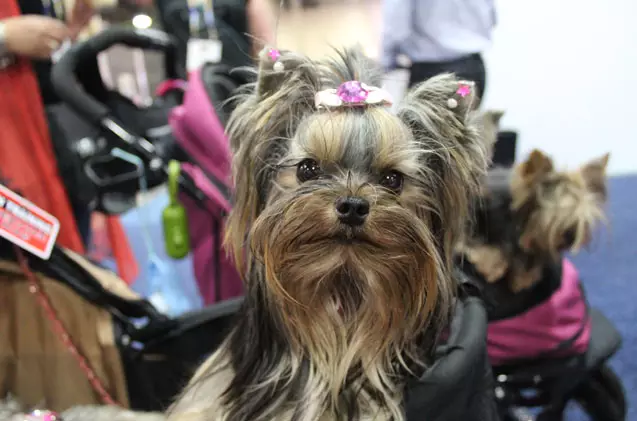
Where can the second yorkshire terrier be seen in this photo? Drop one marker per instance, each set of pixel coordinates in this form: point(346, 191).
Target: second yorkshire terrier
point(344, 222)
point(527, 219)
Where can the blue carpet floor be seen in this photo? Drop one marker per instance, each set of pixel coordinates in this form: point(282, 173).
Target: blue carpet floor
point(608, 270)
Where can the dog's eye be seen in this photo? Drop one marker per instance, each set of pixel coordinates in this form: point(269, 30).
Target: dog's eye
point(392, 180)
point(308, 169)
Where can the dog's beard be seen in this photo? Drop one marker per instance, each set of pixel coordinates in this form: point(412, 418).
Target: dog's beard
point(353, 301)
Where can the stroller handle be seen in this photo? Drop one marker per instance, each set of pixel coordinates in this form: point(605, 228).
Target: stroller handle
point(64, 75)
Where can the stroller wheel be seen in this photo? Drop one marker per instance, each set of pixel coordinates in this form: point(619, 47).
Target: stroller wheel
point(602, 396)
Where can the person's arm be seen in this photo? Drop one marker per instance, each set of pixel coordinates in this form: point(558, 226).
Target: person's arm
point(81, 15)
point(397, 23)
point(260, 23)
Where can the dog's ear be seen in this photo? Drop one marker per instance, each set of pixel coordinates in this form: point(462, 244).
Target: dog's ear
point(444, 92)
point(527, 176)
point(594, 173)
point(439, 114)
point(277, 67)
point(259, 128)
point(536, 166)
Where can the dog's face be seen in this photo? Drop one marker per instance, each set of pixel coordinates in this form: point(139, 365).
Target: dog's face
point(558, 209)
point(349, 190)
point(350, 213)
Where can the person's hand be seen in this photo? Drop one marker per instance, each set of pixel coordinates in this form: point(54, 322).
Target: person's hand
point(34, 36)
point(81, 15)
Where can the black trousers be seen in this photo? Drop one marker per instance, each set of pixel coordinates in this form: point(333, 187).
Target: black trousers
point(467, 68)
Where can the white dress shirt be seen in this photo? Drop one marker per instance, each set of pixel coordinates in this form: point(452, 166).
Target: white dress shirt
point(436, 30)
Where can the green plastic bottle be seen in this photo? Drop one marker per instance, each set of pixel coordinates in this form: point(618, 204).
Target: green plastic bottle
point(175, 220)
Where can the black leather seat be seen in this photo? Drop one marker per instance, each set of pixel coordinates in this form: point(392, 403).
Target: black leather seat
point(459, 385)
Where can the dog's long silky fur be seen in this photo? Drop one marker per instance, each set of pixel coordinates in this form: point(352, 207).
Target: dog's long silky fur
point(332, 328)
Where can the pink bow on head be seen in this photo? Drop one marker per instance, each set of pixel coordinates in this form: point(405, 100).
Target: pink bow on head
point(464, 89)
point(352, 94)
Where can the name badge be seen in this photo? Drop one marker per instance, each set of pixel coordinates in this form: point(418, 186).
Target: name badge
point(26, 225)
point(202, 51)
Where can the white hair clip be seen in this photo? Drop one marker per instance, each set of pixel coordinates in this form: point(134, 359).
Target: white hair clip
point(352, 94)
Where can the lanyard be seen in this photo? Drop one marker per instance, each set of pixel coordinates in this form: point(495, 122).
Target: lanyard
point(202, 21)
point(54, 8)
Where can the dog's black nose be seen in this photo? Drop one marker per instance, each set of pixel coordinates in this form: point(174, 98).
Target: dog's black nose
point(352, 210)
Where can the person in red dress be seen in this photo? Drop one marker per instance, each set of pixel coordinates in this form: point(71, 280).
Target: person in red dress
point(31, 163)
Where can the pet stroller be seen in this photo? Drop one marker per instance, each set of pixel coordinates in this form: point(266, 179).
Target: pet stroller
point(575, 368)
point(158, 354)
point(197, 139)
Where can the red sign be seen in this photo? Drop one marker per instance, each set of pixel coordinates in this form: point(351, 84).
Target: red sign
point(26, 225)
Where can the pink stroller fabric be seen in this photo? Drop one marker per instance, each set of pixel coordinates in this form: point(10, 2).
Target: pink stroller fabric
point(544, 327)
point(198, 130)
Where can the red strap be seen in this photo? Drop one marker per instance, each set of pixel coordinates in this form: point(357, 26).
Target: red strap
point(58, 327)
point(127, 266)
point(170, 85)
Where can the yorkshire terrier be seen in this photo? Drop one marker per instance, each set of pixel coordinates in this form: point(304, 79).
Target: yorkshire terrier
point(523, 223)
point(344, 223)
point(529, 217)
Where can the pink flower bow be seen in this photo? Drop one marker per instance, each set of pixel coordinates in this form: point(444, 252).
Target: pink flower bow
point(352, 94)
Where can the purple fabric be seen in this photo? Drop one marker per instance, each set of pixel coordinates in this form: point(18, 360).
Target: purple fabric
point(544, 327)
point(203, 135)
point(199, 132)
